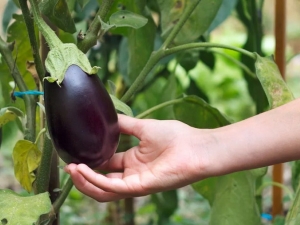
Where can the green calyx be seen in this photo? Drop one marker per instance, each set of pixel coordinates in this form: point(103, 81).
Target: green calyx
point(60, 58)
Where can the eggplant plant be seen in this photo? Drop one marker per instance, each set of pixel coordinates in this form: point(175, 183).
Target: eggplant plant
point(68, 67)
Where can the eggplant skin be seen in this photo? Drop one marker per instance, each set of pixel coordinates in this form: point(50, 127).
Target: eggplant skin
point(81, 118)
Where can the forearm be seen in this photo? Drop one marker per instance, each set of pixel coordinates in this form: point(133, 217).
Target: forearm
point(266, 139)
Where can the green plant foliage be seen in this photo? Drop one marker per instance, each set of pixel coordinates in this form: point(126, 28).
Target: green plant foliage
point(26, 157)
point(121, 106)
point(224, 11)
point(166, 203)
point(249, 14)
point(22, 52)
point(272, 82)
point(9, 10)
point(125, 18)
point(16, 209)
point(172, 10)
point(222, 190)
point(293, 216)
point(203, 116)
point(57, 11)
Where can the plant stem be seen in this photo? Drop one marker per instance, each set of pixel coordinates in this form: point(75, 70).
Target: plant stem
point(63, 195)
point(39, 135)
point(32, 38)
point(30, 101)
point(154, 58)
point(208, 45)
point(240, 64)
point(159, 106)
point(8, 58)
point(50, 36)
point(92, 34)
point(43, 175)
point(191, 5)
point(159, 54)
point(276, 184)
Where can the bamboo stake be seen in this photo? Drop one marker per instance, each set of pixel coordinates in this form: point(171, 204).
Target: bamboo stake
point(280, 38)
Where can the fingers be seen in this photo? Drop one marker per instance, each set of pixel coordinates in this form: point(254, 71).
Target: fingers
point(110, 183)
point(89, 189)
point(113, 182)
point(130, 125)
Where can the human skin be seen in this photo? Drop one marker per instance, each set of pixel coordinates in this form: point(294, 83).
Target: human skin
point(171, 154)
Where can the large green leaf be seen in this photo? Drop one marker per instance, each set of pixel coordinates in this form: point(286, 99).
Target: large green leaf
point(26, 157)
point(198, 22)
point(234, 202)
point(272, 82)
point(235, 190)
point(250, 16)
point(166, 204)
point(10, 8)
point(17, 33)
point(58, 12)
point(19, 210)
point(203, 116)
point(224, 11)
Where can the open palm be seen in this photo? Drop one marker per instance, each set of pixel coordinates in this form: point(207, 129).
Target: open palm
point(167, 157)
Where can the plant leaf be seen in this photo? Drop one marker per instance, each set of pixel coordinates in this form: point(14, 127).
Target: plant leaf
point(272, 82)
point(121, 106)
point(125, 18)
point(203, 116)
point(58, 12)
point(7, 117)
point(198, 22)
point(26, 157)
point(82, 3)
point(16, 209)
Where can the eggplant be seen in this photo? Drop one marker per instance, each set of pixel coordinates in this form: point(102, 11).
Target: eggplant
point(81, 118)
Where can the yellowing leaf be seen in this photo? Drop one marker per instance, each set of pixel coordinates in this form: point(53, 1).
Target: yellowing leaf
point(6, 117)
point(26, 157)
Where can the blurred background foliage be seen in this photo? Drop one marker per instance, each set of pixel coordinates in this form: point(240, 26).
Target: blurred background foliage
point(212, 74)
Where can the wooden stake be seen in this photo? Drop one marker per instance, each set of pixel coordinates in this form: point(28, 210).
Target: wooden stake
point(280, 37)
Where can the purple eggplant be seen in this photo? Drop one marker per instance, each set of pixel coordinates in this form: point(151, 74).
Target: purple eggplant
point(81, 118)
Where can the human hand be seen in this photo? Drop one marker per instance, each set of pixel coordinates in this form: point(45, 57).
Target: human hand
point(170, 155)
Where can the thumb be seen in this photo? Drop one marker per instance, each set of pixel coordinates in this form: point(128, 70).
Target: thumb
point(130, 125)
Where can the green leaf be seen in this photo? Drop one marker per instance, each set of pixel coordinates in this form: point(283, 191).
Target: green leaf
point(57, 11)
point(17, 32)
point(293, 216)
point(82, 3)
point(234, 202)
point(235, 190)
point(188, 59)
point(121, 106)
point(203, 116)
point(272, 82)
point(166, 203)
point(223, 13)
point(125, 18)
point(167, 92)
point(140, 45)
point(249, 15)
point(206, 188)
point(26, 157)
point(196, 25)
point(16, 209)
point(9, 10)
